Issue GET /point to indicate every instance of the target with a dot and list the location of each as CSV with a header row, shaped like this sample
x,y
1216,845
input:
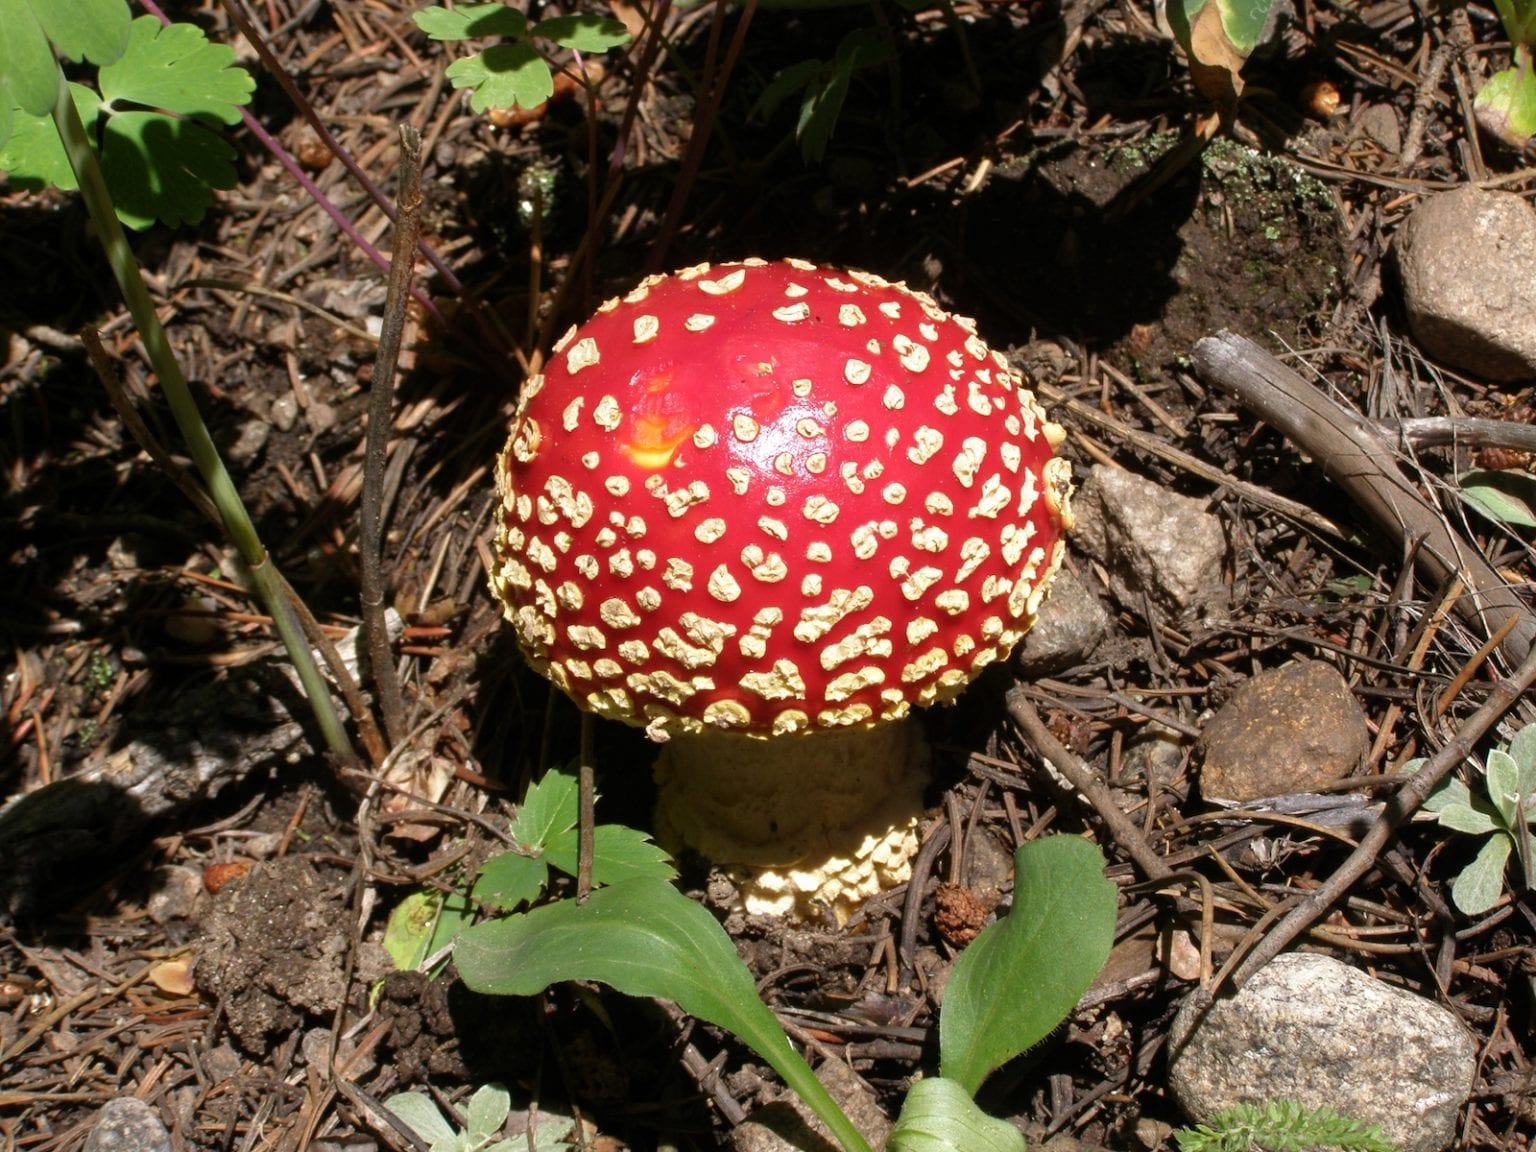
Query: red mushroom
x,y
765,509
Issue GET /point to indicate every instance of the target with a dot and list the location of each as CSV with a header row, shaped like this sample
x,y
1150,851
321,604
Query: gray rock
x,y
1070,626
1468,264
1292,729
127,1124
1151,542
178,893
1312,1029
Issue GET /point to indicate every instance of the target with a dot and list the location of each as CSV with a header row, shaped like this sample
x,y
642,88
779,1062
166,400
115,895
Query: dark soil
x,y
155,750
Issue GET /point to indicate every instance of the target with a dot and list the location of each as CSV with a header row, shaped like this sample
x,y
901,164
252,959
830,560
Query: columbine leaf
x,y
94,30
584,33
420,1114
29,73
174,68
618,854
549,808
509,880
34,156
939,1116
161,168
469,21
1478,887
502,76
1023,975
644,938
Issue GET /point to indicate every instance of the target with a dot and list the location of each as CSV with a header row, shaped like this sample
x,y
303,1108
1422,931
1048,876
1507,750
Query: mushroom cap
x,y
770,498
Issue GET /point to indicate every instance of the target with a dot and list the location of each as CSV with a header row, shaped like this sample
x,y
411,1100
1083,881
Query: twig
x,y
1467,431
1399,807
1092,789
586,799
1358,458
375,457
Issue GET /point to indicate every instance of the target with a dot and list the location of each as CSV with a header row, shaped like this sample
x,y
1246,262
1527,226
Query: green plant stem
x,y
237,522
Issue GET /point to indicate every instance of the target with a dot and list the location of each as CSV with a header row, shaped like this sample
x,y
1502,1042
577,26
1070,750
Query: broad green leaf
x,y
584,33
487,1111
1523,746
1504,785
1247,24
1478,887
1473,817
423,924
1505,106
1021,977
938,1115
1504,497
502,76
161,168
644,938
34,156
618,854
468,21
94,30
29,73
419,1113
550,807
174,68
509,880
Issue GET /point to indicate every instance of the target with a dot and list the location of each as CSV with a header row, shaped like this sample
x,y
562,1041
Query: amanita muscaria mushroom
x,y
762,510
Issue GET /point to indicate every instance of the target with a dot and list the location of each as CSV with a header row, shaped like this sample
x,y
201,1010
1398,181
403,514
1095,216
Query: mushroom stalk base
x,y
803,823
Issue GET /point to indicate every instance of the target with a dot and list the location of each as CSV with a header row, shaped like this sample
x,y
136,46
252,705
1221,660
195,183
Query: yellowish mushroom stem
x,y
805,824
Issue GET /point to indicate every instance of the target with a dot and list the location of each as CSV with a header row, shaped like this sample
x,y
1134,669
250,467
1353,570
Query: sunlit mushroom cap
x,y
771,498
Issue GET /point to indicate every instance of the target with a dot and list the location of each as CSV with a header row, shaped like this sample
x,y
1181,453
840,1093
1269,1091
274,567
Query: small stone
x,y
1312,1029
285,412
1151,542
178,888
249,441
1379,124
787,1125
1467,259
127,1124
1070,626
1292,729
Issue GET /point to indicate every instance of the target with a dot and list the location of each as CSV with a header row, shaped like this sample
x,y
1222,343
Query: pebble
x,y
1070,626
1467,260
1151,542
1296,728
178,889
127,1124
1312,1029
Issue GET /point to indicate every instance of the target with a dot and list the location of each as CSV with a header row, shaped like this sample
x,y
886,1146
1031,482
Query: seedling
x,y
515,72
1015,983
1506,105
487,1111
823,86
1504,817
1281,1126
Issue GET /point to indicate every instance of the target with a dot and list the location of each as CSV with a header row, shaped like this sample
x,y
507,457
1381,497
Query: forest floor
x,y
1011,158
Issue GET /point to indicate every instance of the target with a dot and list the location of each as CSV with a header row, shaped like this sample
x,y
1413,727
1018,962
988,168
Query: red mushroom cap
x,y
772,497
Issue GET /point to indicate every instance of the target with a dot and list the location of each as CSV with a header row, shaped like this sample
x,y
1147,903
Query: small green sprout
x,y
1281,1126
486,1112
153,116
515,72
823,87
1505,106
1504,817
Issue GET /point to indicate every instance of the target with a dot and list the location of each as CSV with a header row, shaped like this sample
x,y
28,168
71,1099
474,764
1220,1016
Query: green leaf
x,y
550,807
1021,977
1523,747
423,924
468,21
29,73
1474,818
1503,781
509,880
34,156
644,938
502,76
487,1112
1503,497
938,1115
618,854
1478,887
1247,24
1450,790
94,30
173,68
161,168
584,33
1505,107
419,1112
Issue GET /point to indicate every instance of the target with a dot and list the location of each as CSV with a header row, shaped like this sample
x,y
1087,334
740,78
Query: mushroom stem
x,y
821,820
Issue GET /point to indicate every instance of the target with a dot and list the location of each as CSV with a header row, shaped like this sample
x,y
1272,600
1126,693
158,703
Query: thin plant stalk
x,y
178,396
381,394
